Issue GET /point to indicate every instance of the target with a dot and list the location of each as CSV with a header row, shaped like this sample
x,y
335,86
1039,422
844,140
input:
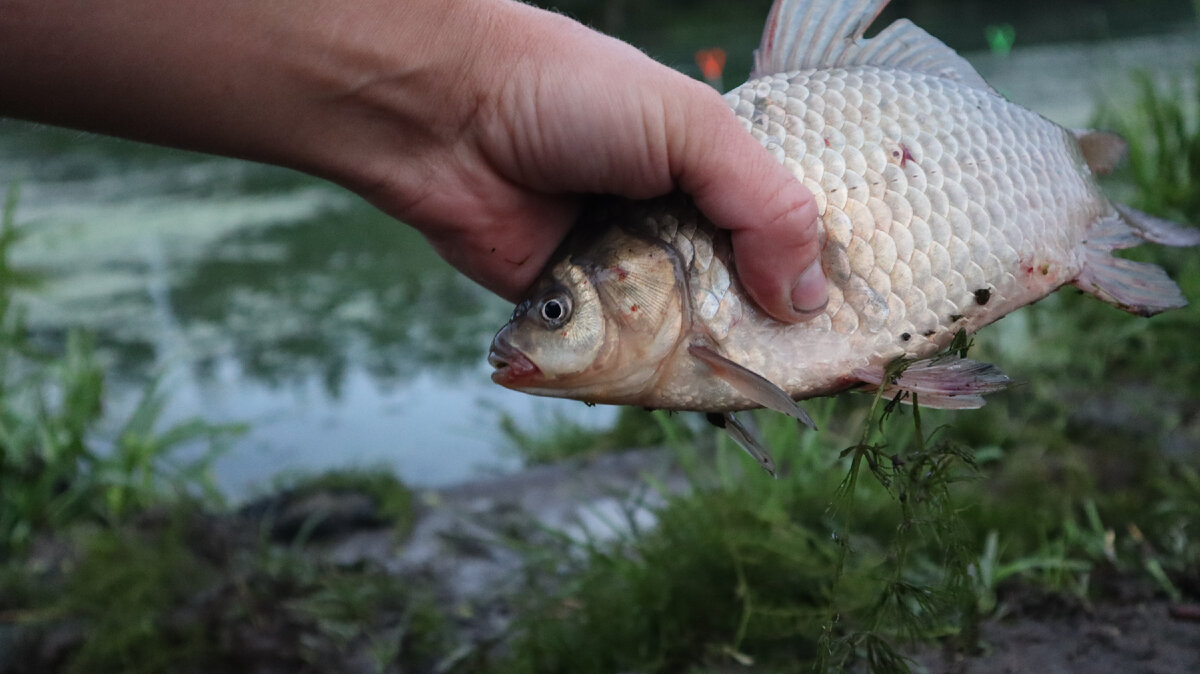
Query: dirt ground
x,y
1131,633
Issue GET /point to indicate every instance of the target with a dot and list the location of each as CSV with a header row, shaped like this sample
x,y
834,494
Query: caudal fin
x,y
1137,287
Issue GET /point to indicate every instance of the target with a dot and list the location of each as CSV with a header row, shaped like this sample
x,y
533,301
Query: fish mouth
x,y
512,366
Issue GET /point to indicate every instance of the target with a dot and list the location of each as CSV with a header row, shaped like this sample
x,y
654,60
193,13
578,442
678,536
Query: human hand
x,y
479,122
554,110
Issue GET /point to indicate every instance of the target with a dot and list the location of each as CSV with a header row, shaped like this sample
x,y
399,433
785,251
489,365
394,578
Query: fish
x,y
943,207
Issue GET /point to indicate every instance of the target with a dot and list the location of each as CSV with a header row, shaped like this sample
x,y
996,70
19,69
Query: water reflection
x,y
262,295
345,287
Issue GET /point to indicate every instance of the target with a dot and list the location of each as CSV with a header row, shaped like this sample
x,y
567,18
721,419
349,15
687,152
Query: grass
x,y
54,470
112,561
850,557
1163,131
177,594
815,567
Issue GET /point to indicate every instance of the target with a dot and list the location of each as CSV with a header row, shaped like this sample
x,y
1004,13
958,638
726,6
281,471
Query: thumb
x,y
740,187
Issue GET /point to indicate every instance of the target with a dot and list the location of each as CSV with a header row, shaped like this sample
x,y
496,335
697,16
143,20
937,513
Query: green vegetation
x,y
53,471
1163,131
174,594
391,501
851,557
106,550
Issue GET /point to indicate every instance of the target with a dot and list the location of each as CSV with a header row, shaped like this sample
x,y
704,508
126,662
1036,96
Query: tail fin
x,y
1136,287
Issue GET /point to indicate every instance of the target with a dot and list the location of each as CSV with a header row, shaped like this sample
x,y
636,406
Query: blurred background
x,y
242,415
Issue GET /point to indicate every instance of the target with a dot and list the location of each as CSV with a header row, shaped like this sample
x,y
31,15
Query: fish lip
x,y
512,366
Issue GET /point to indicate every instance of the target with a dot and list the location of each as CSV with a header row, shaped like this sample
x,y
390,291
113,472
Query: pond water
x,y
258,295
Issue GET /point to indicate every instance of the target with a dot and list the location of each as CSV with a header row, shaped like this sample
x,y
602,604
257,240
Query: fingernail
x,y
810,294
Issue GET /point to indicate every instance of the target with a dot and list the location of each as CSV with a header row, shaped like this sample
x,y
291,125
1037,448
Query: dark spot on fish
x,y
493,249
982,296
954,318
928,333
904,336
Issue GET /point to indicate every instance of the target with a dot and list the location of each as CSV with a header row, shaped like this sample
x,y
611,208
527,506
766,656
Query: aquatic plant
x,y
744,568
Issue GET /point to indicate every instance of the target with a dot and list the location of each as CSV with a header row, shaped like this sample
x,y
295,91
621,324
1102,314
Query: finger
x,y
742,188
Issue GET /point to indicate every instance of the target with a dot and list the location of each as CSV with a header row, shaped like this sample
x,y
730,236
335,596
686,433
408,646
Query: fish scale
x,y
912,230
942,207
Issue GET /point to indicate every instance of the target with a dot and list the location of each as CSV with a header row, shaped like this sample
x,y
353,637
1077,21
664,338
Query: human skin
x,y
479,122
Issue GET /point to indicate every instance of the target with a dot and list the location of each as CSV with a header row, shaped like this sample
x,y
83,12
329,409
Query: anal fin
x,y
946,382
751,384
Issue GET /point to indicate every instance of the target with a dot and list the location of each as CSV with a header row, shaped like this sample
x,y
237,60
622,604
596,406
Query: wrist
x,y
310,84
397,90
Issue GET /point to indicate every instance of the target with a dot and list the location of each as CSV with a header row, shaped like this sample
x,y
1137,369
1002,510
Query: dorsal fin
x,y
815,34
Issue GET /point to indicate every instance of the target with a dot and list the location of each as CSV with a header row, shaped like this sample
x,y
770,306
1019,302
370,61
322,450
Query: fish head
x,y
600,322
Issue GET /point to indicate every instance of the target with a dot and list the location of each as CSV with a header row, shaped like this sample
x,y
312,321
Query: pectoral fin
x,y
948,382
744,439
751,384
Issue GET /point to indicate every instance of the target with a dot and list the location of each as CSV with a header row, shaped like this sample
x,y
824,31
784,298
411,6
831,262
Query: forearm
x,y
277,81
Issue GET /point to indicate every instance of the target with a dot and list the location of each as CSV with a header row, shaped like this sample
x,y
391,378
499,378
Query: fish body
x,y
943,207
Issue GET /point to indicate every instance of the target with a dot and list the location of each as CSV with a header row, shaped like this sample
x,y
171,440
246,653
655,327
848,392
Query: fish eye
x,y
555,310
